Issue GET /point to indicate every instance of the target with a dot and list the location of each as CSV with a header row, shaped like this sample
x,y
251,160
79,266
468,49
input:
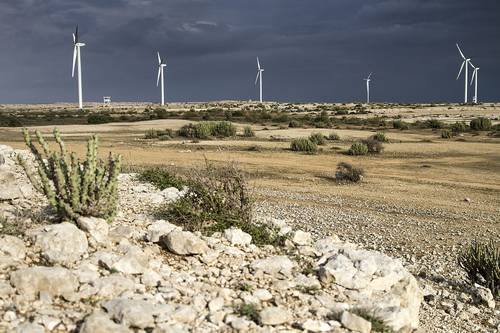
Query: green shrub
x,y
380,137
333,136
481,263
399,124
186,131
347,172
223,129
248,132
434,123
446,134
294,124
203,130
304,145
218,198
459,127
317,138
74,188
250,311
9,121
161,178
480,124
206,129
159,134
358,148
99,118
373,146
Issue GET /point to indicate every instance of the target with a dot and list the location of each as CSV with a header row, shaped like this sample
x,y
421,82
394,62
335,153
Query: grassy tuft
x,y
481,263
304,145
358,148
161,178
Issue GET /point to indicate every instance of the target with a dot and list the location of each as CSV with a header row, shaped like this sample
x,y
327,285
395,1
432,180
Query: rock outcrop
x,y
138,274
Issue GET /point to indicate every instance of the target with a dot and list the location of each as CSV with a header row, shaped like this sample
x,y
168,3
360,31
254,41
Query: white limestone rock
x,y
62,243
55,281
274,265
184,243
237,237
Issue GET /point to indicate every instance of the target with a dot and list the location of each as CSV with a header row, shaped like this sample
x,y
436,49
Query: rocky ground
x,y
139,274
426,241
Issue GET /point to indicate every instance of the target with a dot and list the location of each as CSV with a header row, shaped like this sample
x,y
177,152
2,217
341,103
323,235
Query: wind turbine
x,y
465,63
259,77
368,79
474,79
162,63
76,57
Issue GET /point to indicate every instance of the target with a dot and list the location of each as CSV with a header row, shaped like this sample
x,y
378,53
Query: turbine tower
x,y
474,79
368,79
76,58
259,77
465,63
162,63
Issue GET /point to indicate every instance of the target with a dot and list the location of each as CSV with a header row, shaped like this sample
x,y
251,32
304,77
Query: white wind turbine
x,y
259,76
162,63
474,79
76,57
368,79
465,63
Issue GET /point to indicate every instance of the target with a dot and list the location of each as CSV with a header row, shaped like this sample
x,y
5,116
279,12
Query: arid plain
x,y
421,199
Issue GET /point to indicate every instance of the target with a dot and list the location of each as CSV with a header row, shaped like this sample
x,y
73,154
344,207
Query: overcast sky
x,y
311,50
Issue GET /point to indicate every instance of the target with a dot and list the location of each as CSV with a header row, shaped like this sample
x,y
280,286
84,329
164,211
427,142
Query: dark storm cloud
x,y
311,50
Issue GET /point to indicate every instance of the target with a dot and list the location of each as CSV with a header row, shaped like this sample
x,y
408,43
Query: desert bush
x,y
294,124
304,145
348,172
459,127
206,129
99,118
218,198
74,188
373,146
434,123
480,124
223,129
159,134
380,137
358,148
445,134
9,121
186,131
399,124
333,136
317,138
481,263
161,178
248,132
203,130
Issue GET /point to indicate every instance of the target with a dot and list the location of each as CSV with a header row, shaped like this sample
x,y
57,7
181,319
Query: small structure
x,y
107,100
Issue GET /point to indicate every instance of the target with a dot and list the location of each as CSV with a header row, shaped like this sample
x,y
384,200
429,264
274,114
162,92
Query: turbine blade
x,y
258,63
369,76
473,75
74,39
74,62
460,72
257,78
158,79
459,50
159,58
76,34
